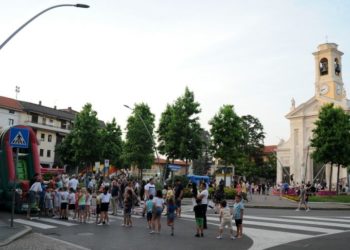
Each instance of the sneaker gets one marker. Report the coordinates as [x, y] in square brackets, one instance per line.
[196, 235]
[297, 209]
[202, 235]
[307, 210]
[219, 237]
[123, 225]
[233, 237]
[172, 234]
[152, 232]
[99, 224]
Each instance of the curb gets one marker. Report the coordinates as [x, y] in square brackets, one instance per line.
[14, 237]
[295, 207]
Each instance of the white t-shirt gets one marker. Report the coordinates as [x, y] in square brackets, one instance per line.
[205, 194]
[106, 198]
[158, 202]
[71, 198]
[151, 188]
[73, 183]
[36, 187]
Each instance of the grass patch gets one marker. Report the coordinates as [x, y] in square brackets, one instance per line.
[334, 198]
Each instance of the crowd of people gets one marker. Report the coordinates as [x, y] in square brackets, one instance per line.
[66, 197]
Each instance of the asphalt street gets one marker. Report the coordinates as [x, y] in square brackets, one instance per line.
[263, 229]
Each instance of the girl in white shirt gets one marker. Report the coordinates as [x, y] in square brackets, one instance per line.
[158, 207]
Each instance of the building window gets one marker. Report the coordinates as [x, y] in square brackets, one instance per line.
[11, 111]
[324, 66]
[48, 153]
[11, 122]
[34, 118]
[41, 152]
[49, 138]
[42, 137]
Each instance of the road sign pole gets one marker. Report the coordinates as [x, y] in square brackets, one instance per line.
[14, 189]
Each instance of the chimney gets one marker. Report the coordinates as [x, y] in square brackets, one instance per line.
[40, 103]
[70, 109]
[55, 107]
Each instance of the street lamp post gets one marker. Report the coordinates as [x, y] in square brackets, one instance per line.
[149, 134]
[39, 14]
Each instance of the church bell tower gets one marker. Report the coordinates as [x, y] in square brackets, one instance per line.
[328, 67]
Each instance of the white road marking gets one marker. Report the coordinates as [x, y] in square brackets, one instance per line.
[34, 224]
[54, 221]
[318, 218]
[300, 220]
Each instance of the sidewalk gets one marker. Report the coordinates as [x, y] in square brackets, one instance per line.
[9, 234]
[276, 202]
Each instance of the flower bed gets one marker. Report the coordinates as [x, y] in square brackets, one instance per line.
[326, 193]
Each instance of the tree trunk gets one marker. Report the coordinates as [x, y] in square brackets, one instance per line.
[338, 179]
[225, 170]
[330, 177]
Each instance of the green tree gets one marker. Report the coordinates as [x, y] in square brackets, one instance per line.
[111, 146]
[179, 129]
[331, 139]
[253, 139]
[82, 146]
[139, 143]
[86, 141]
[203, 163]
[251, 163]
[227, 136]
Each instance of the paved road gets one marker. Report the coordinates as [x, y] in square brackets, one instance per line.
[263, 229]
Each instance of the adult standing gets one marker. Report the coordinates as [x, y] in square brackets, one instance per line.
[73, 183]
[179, 191]
[203, 196]
[105, 199]
[115, 194]
[150, 189]
[34, 193]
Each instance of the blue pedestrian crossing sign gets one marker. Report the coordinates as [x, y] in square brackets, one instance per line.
[174, 167]
[19, 137]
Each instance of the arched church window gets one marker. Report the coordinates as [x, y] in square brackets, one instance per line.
[324, 66]
[337, 66]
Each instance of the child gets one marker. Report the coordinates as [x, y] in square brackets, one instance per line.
[199, 215]
[48, 200]
[88, 204]
[171, 208]
[238, 209]
[225, 219]
[57, 203]
[82, 205]
[148, 210]
[98, 207]
[71, 202]
[127, 208]
[64, 203]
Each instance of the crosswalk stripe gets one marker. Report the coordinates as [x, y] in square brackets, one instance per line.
[278, 225]
[300, 220]
[319, 218]
[54, 221]
[34, 224]
[264, 239]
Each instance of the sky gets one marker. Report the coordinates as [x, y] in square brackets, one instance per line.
[253, 54]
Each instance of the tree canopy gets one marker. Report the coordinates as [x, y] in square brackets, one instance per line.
[331, 138]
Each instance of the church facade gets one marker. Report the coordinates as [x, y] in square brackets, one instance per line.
[294, 162]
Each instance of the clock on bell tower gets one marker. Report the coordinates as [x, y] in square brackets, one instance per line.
[329, 82]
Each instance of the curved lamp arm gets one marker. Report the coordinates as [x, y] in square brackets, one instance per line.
[39, 14]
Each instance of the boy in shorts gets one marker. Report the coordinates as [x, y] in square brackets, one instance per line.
[199, 215]
[238, 209]
[148, 210]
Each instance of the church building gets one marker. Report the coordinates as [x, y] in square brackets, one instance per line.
[294, 162]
